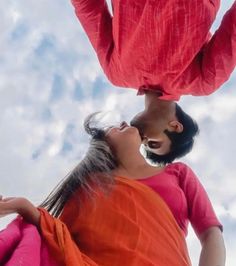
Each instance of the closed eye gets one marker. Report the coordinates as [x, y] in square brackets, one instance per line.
[153, 144]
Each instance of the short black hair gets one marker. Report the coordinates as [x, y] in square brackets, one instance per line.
[181, 143]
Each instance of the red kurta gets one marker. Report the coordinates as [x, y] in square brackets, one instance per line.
[161, 45]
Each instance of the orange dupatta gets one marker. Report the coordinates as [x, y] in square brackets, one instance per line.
[130, 226]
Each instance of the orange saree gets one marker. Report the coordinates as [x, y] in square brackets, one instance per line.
[129, 226]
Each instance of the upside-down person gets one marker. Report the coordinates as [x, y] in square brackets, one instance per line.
[163, 49]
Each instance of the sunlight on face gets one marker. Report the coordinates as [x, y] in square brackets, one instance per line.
[123, 137]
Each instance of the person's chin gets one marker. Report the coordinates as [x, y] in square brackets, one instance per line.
[135, 122]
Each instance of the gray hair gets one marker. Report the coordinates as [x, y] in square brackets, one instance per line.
[94, 171]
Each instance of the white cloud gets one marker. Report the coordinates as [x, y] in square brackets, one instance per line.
[41, 39]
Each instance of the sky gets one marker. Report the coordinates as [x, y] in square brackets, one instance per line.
[50, 80]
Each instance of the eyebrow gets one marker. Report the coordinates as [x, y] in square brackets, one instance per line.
[157, 141]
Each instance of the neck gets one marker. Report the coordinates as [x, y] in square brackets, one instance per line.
[136, 167]
[154, 104]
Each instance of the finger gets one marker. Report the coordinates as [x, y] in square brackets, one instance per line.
[6, 208]
[8, 199]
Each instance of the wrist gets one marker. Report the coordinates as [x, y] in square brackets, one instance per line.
[22, 206]
[28, 211]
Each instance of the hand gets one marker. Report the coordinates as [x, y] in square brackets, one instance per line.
[21, 206]
[10, 205]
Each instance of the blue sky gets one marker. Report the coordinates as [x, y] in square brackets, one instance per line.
[50, 80]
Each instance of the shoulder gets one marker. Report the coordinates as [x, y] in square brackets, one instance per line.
[182, 170]
[178, 166]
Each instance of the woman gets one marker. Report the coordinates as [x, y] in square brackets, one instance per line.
[108, 217]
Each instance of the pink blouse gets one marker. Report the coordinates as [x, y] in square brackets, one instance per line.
[185, 196]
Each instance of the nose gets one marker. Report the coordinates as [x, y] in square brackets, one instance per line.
[140, 128]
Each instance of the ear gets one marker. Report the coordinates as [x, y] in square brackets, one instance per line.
[176, 126]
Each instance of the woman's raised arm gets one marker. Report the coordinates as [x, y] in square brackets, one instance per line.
[22, 206]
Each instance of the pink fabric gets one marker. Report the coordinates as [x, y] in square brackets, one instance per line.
[9, 239]
[185, 196]
[161, 45]
[21, 244]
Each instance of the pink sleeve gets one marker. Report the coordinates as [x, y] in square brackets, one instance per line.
[97, 23]
[27, 252]
[216, 61]
[10, 238]
[200, 211]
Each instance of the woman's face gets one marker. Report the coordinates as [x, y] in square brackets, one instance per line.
[123, 139]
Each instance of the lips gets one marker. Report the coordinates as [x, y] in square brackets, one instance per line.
[123, 125]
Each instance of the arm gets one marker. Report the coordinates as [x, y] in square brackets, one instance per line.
[203, 220]
[21, 206]
[97, 23]
[213, 248]
[216, 61]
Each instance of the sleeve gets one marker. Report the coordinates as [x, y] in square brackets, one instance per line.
[216, 61]
[200, 210]
[10, 238]
[97, 23]
[27, 251]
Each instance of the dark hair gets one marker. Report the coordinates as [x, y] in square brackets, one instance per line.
[93, 171]
[181, 143]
